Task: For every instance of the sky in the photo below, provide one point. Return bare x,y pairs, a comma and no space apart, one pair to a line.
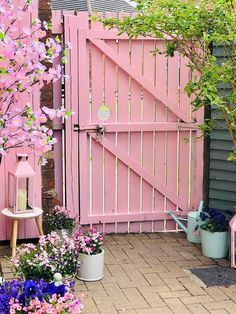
131,2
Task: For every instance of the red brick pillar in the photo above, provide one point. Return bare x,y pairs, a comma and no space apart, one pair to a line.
46,99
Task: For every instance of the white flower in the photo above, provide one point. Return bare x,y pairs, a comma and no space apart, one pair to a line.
57,279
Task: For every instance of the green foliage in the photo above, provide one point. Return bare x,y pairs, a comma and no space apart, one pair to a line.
32,271
57,219
192,28
206,126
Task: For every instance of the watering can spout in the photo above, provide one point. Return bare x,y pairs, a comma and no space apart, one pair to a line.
177,220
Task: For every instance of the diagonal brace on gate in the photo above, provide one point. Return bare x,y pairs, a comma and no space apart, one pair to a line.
153,90
133,165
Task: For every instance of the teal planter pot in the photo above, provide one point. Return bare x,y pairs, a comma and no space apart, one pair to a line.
215,244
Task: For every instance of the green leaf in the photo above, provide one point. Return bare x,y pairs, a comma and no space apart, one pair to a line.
68,114
50,52
2,35
64,60
170,49
3,71
57,39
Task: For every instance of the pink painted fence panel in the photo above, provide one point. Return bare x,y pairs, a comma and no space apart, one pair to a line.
146,158
27,229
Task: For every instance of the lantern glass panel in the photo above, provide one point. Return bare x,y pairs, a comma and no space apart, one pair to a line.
11,191
22,194
30,193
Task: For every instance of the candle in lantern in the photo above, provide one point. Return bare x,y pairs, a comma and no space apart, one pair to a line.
22,199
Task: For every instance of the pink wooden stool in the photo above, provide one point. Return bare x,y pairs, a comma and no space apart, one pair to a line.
232,225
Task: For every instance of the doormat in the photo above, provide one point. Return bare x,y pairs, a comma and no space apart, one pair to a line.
216,276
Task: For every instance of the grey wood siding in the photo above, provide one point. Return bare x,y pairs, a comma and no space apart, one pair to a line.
222,173
77,5
96,5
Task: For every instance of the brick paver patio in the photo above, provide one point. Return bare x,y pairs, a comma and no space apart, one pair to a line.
148,274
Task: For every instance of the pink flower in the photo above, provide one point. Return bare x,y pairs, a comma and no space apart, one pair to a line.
16,122
50,112
40,34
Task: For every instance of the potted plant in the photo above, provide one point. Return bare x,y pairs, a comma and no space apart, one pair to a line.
91,254
18,296
58,219
53,254
214,234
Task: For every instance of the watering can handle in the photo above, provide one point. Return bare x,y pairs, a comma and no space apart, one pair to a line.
200,209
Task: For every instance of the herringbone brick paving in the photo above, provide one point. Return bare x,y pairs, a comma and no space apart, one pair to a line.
147,274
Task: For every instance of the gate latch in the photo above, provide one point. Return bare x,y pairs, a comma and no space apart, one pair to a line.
99,130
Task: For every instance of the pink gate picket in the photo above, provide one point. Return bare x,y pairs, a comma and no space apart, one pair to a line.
27,229
132,147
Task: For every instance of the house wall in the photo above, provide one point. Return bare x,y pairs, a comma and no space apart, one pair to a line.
222,173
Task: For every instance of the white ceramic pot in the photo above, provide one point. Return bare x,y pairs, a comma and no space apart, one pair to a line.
91,267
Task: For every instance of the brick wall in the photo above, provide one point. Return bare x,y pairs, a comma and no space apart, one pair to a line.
46,99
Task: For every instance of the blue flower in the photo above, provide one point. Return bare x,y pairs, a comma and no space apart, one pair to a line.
21,299
215,221
30,289
4,304
61,290
24,292
52,289
204,216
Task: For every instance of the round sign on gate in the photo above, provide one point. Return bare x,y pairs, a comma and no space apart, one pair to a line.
104,113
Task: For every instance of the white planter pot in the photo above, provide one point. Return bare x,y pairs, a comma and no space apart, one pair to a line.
91,267
215,244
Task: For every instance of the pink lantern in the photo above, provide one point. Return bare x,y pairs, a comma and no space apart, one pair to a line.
232,225
21,186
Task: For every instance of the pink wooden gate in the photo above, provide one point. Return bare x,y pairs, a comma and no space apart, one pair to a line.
27,229
132,151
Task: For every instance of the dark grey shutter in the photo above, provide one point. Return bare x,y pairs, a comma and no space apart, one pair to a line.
222,173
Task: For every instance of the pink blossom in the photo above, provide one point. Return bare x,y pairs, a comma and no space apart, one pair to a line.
40,33
22,58
50,112
89,241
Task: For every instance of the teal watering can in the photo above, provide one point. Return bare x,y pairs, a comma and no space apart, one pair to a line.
192,222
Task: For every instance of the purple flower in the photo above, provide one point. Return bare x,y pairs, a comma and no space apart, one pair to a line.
9,290
32,293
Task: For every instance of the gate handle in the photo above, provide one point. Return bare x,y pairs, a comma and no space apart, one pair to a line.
96,129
